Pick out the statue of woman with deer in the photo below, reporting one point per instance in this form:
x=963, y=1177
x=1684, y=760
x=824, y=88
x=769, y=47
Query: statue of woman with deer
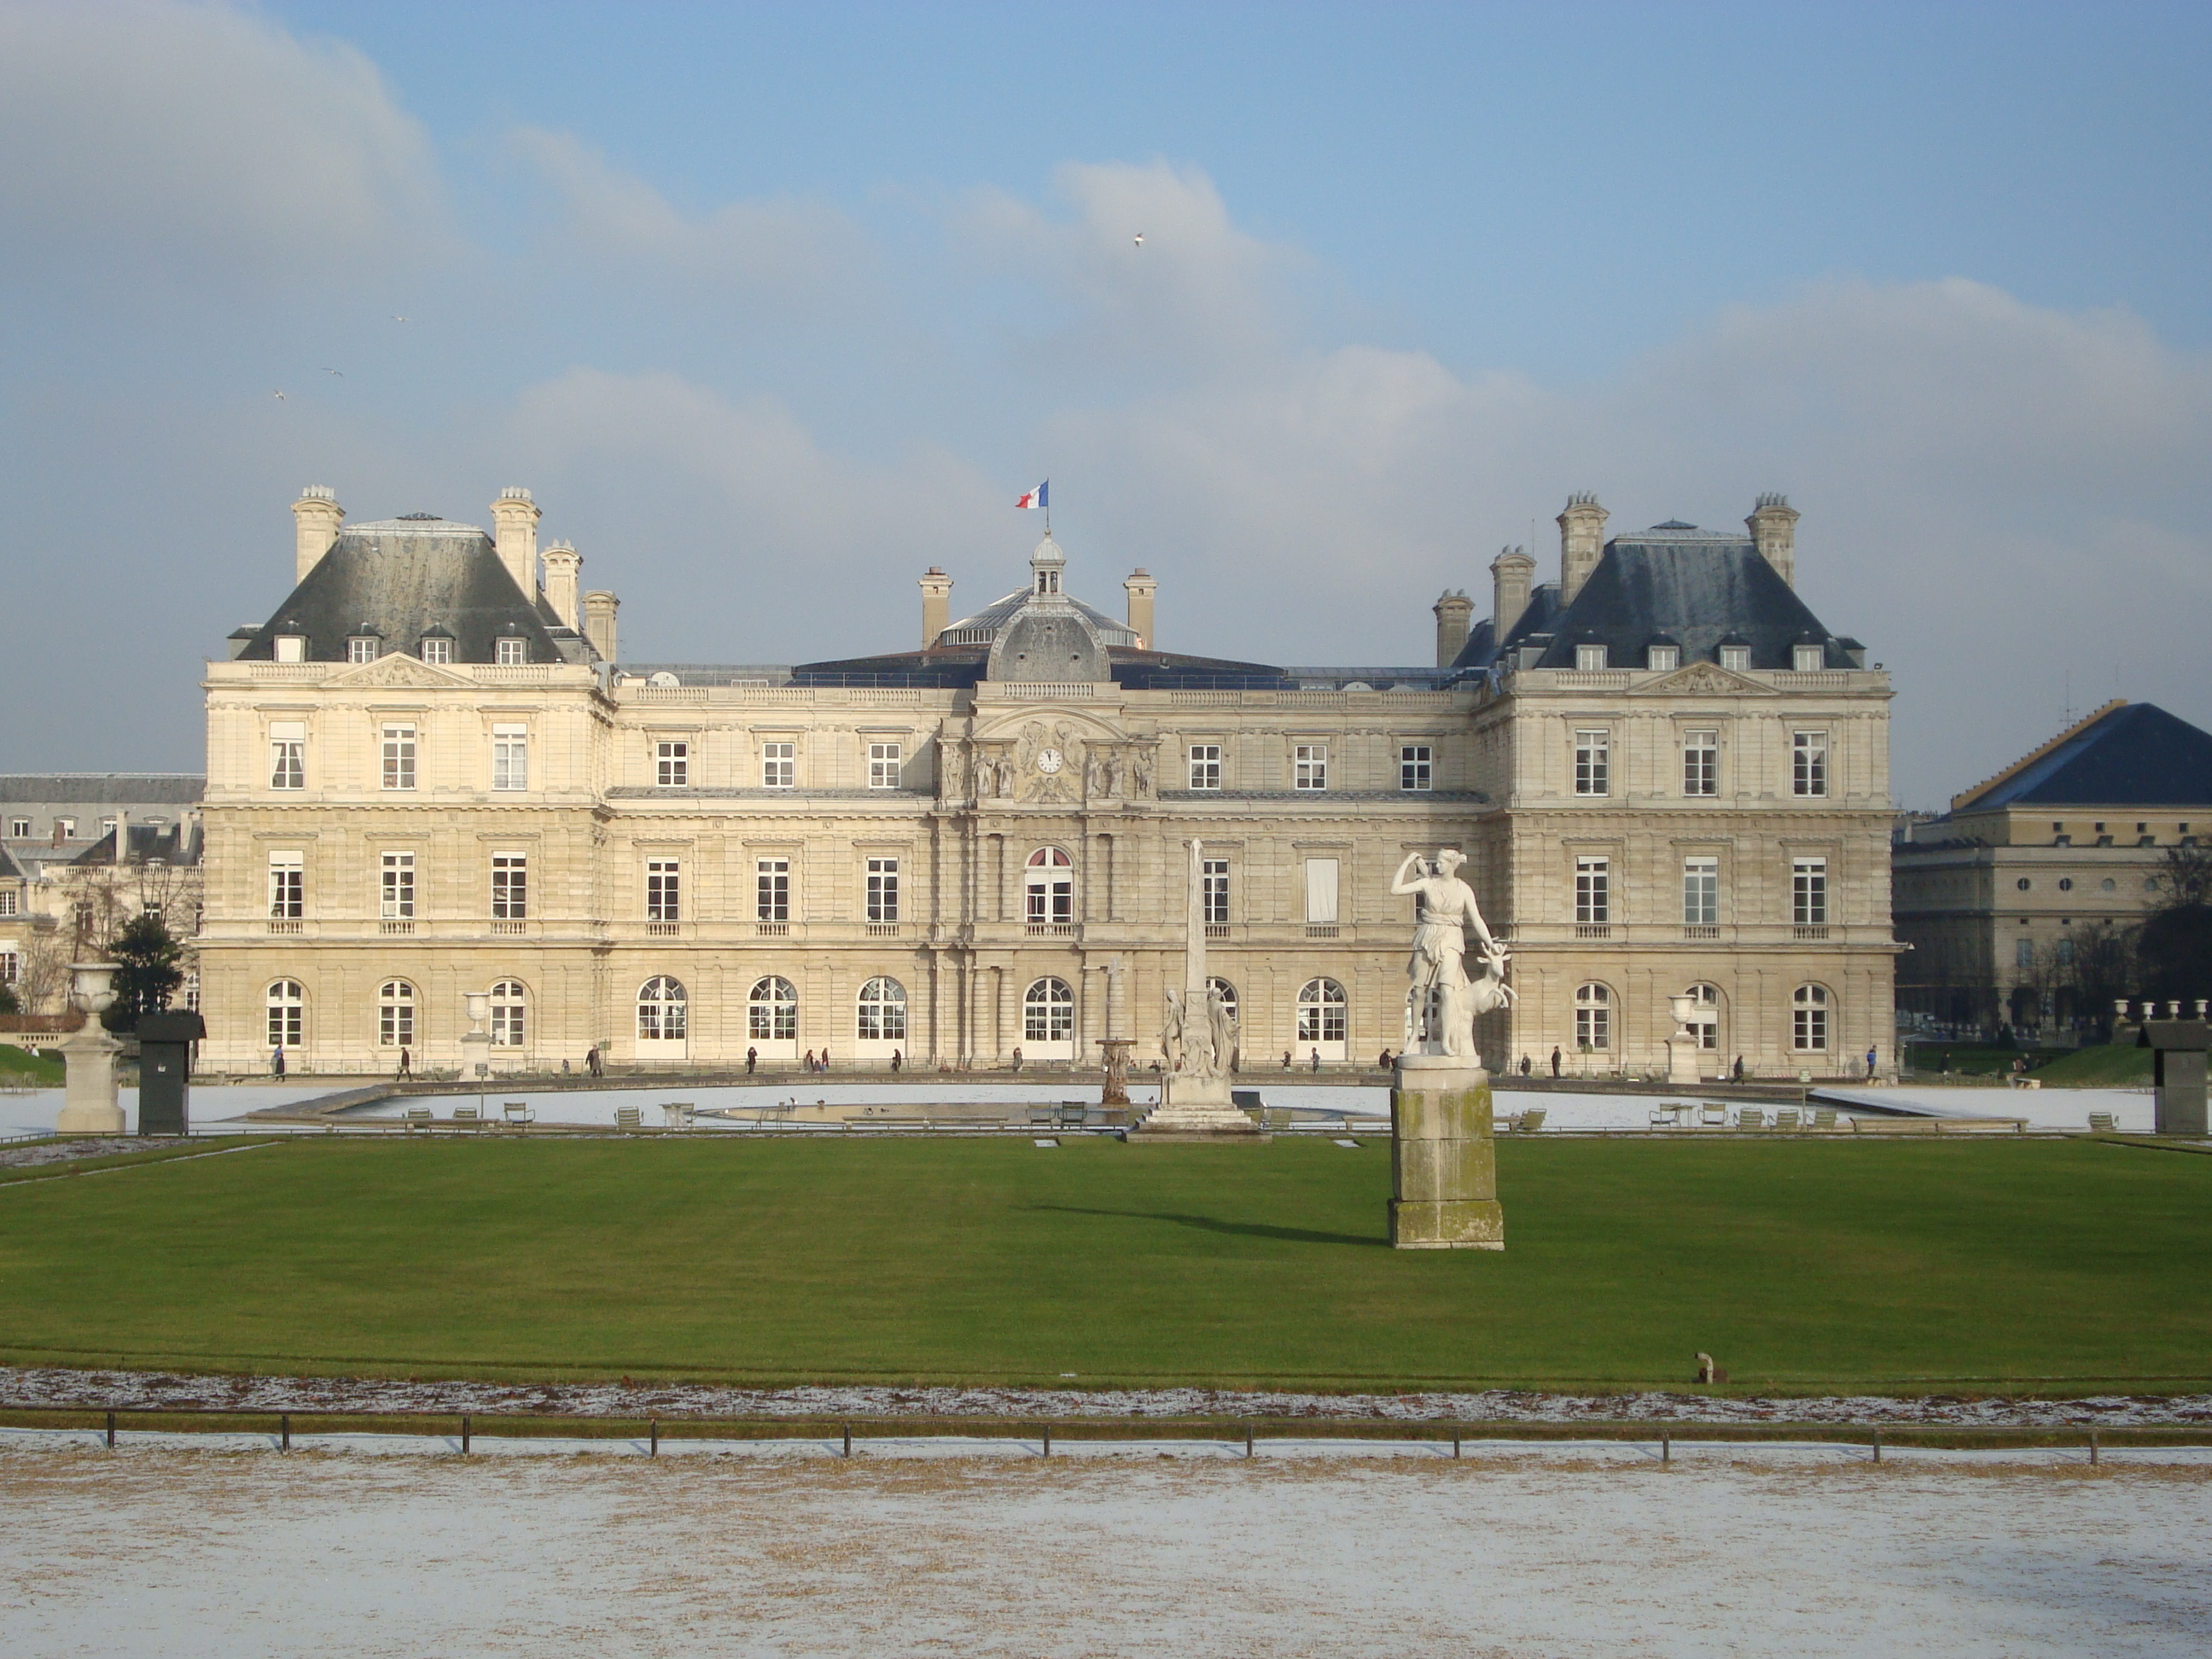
x=1442, y=1003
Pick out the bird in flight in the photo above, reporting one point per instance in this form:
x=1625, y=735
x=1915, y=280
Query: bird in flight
x=1140, y=238
x=338, y=372
x=397, y=317
x=278, y=396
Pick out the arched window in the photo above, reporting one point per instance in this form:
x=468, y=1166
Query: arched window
x=1228, y=995
x=395, y=1014
x=1049, y=887
x=288, y=1014
x=1593, y=1018
x=663, y=1011
x=1704, y=1022
x=883, y=1012
x=772, y=1010
x=1048, y=1013
x=1808, y=1017
x=508, y=1027
x=1322, y=1007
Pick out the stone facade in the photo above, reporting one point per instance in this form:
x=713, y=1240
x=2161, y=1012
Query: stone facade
x=978, y=847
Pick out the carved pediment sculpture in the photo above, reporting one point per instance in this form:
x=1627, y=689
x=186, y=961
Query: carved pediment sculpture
x=1703, y=679
x=395, y=671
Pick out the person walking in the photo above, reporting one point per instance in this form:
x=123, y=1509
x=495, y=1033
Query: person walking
x=277, y=1060
x=1018, y=1059
x=825, y=1056
x=1524, y=1066
x=1555, y=1059
x=1870, y=1058
x=1736, y=1071
x=752, y=1059
x=1316, y=1060
x=895, y=1062
x=406, y=1066
x=1286, y=1060
x=810, y=1060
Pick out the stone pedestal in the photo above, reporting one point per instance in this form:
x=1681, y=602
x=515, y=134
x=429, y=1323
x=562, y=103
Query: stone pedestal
x=1444, y=1157
x=92, y=1103
x=1196, y=1106
x=1683, y=1061
x=476, y=1055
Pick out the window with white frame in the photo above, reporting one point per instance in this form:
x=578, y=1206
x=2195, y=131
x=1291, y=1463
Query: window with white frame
x=881, y=1013
x=510, y=650
x=2023, y=953
x=1214, y=873
x=395, y=1014
x=510, y=757
x=1310, y=766
x=1323, y=1013
x=437, y=648
x=291, y=648
x=1805, y=659
x=397, y=896
x=509, y=1009
x=664, y=890
x=399, y=758
x=19, y=828
x=190, y=996
x=1808, y=892
x=1049, y=887
x=671, y=763
x=1593, y=890
x=1736, y=658
x=885, y=761
x=510, y=886
x=772, y=889
x=11, y=967
x=772, y=1010
x=1808, y=762
x=1416, y=771
x=883, y=874
x=1320, y=891
x=1701, y=890
x=779, y=765
x=1705, y=1021
x=7, y=901
x=106, y=827
x=288, y=885
x=1589, y=656
x=1809, y=1020
x=66, y=829
x=1701, y=761
x=1593, y=761
x=1049, y=1011
x=361, y=647
x=1593, y=1018
x=1662, y=657
x=663, y=1010
x=288, y=1014
x=288, y=754
x=1206, y=766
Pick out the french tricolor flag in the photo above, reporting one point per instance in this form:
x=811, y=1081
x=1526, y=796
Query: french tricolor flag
x=1041, y=496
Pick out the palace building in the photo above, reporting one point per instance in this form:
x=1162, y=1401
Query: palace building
x=432, y=773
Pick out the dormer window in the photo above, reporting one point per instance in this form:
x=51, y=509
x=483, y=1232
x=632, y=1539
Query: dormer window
x=291, y=648
x=1589, y=656
x=511, y=651
x=1736, y=658
x=1663, y=656
x=1808, y=659
x=438, y=648
x=363, y=647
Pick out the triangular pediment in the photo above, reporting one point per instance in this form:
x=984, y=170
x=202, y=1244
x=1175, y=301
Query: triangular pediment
x=1703, y=679
x=397, y=671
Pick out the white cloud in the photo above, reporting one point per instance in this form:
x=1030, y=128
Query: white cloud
x=143, y=143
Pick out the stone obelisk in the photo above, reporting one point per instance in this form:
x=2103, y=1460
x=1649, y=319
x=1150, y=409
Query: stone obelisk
x=1196, y=1040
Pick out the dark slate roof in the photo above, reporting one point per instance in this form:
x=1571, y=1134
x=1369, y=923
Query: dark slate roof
x=402, y=577
x=2135, y=754
x=168, y=842
x=1695, y=587
x=10, y=870
x=103, y=788
x=983, y=626
x=964, y=667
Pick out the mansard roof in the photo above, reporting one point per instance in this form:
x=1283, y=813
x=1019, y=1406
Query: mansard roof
x=964, y=667
x=2124, y=755
x=103, y=788
x=1699, y=587
x=168, y=844
x=984, y=625
x=403, y=578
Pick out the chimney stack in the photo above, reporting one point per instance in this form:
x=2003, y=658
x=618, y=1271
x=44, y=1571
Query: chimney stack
x=1141, y=589
x=315, y=518
x=600, y=623
x=1512, y=575
x=562, y=563
x=514, y=519
x=1773, y=526
x=936, y=604
x=1582, y=541
x=1454, y=612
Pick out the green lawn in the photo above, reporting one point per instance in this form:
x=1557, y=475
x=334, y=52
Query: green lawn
x=1806, y=1265
x=21, y=1066
x=2106, y=1066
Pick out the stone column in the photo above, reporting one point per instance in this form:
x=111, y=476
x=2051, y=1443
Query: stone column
x=1443, y=1158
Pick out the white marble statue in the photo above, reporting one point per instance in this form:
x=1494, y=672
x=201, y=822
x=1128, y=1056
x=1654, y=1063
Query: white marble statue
x=1445, y=1002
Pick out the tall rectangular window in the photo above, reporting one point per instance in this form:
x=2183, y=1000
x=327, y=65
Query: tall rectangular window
x=1808, y=892
x=1215, y=874
x=1701, y=892
x=1593, y=890
x=398, y=895
x=1206, y=766
x=664, y=890
x=510, y=651
x=1415, y=771
x=883, y=763
x=2023, y=953
x=772, y=889
x=779, y=765
x=7, y=901
x=671, y=764
x=288, y=754
x=288, y=885
x=1593, y=763
x=883, y=890
x=510, y=757
x=1808, y=762
x=19, y=828
x=398, y=757
x=11, y=967
x=1321, y=891
x=1701, y=762
x=1310, y=766
x=510, y=886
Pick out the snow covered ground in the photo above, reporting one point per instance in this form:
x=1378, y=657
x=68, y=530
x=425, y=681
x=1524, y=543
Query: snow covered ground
x=2043, y=1109
x=1588, y=1551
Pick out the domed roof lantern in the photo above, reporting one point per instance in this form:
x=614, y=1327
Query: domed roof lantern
x=1047, y=564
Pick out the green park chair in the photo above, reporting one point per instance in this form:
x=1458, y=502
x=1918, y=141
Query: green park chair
x=1750, y=1117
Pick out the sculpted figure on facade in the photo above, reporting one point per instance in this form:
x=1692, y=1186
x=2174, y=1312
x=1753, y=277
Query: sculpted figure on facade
x=1445, y=1002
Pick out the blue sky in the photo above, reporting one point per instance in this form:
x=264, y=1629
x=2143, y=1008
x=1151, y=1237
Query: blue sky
x=774, y=306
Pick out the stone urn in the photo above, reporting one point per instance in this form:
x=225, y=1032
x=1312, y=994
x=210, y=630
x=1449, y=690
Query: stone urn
x=92, y=1103
x=476, y=1045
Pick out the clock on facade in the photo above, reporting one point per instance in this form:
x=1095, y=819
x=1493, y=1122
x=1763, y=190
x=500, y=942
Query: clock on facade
x=1050, y=761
